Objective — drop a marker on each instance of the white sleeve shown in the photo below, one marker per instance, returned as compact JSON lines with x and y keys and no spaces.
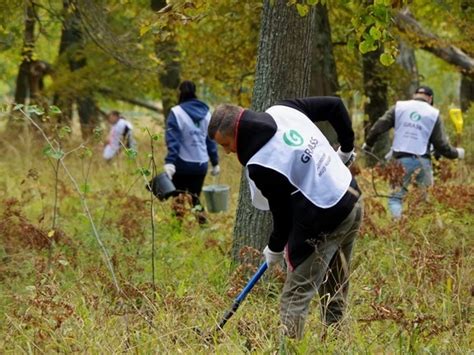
{"x":109,"y":152}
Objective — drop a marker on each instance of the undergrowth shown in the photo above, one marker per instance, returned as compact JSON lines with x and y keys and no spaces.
{"x":411,"y":281}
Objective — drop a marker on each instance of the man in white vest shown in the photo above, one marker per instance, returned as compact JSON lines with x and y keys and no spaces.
{"x":295,"y":173}
{"x":417,"y":125}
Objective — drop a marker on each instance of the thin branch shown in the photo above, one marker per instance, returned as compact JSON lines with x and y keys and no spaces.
{"x":83,"y":202}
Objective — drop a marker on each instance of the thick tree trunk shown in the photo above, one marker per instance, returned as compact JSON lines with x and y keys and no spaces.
{"x":70,"y":41}
{"x":323,"y":68}
{"x":71,"y":49}
{"x":466,"y":92}
{"x":283,"y":71}
{"x":375,"y":89}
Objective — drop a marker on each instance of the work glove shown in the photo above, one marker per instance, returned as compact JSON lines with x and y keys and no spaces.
{"x":272,"y":258}
{"x":170,"y":169}
{"x":347,"y":158}
{"x":461,"y":153}
{"x":216,"y":170}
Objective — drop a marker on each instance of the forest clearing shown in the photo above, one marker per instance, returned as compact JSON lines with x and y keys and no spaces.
{"x":94,"y":260}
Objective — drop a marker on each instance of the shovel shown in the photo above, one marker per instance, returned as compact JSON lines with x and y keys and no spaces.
{"x":238,"y":300}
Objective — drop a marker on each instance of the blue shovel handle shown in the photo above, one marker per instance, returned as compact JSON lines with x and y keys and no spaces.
{"x":238,"y":300}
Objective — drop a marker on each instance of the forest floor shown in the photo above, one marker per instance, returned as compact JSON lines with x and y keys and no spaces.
{"x":411,"y":281}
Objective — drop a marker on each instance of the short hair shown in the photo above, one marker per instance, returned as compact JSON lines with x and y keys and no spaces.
{"x":114,"y":113}
{"x":223,"y":120}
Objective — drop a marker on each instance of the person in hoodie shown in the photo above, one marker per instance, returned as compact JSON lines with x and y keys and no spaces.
{"x":120,"y":135}
{"x":294,"y":172}
{"x":189,"y":147}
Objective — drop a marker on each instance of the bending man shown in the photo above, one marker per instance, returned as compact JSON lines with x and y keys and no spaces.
{"x":295,"y":173}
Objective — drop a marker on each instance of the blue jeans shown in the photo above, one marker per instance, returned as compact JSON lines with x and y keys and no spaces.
{"x":423,"y":171}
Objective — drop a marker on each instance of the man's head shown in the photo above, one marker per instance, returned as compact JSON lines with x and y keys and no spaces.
{"x":222,"y":126}
{"x":113,"y":117}
{"x":425,"y":93}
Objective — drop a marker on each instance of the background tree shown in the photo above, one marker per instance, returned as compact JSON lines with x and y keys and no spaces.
{"x":324,"y":80}
{"x":284,"y":56}
{"x":71,"y":54}
{"x":166,"y":49}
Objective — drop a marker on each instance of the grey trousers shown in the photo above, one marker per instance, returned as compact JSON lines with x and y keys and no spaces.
{"x":325,"y":271}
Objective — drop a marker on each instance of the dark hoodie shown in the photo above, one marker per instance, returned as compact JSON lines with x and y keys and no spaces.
{"x":197,"y":110}
{"x":297,"y":222}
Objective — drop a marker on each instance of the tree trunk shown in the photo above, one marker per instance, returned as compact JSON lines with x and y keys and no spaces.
{"x":375,"y":89}
{"x":466,"y":92}
{"x":283,"y":71}
{"x":22,"y":92}
{"x":70,"y":39}
{"x":407,"y":61}
{"x":167,"y":51}
{"x":323,"y":69}
{"x":169,"y":77}
{"x":71,"y":47}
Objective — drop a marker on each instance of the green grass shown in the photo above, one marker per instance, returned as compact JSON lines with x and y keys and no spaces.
{"x":411,"y":282}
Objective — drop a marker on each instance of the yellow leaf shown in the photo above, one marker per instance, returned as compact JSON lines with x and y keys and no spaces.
{"x":144,"y":29}
{"x":51,"y":233}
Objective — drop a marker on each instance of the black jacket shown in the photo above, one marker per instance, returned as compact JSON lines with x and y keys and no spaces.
{"x":296,"y":220}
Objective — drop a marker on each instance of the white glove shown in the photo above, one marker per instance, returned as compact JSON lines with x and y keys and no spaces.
{"x":216,"y":170}
{"x":461,"y":153}
{"x":272,"y":258}
{"x":347,"y":158}
{"x":170,"y":169}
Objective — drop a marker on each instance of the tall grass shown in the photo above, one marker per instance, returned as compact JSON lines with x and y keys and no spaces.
{"x":411,"y":282}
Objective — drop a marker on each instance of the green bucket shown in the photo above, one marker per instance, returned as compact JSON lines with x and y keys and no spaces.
{"x":217,"y":197}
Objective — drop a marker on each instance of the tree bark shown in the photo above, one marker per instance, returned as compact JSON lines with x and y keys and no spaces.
{"x":283,"y":71}
{"x":375,"y":89}
{"x":323,"y":69}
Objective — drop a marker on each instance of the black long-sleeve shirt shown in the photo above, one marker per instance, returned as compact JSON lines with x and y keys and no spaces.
{"x":296,"y":220}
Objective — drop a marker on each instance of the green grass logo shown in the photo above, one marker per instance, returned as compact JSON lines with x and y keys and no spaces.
{"x":415,"y":116}
{"x":293,"y":138}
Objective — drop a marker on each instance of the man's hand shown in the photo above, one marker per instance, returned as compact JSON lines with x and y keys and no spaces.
{"x":216,"y":170}
{"x":461,"y":153}
{"x":272,"y":258}
{"x":347,"y":158}
{"x":170,"y":169}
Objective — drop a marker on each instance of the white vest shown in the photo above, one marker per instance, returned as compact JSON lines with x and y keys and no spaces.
{"x":193,"y":145}
{"x":414,"y":122}
{"x":301,"y":153}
